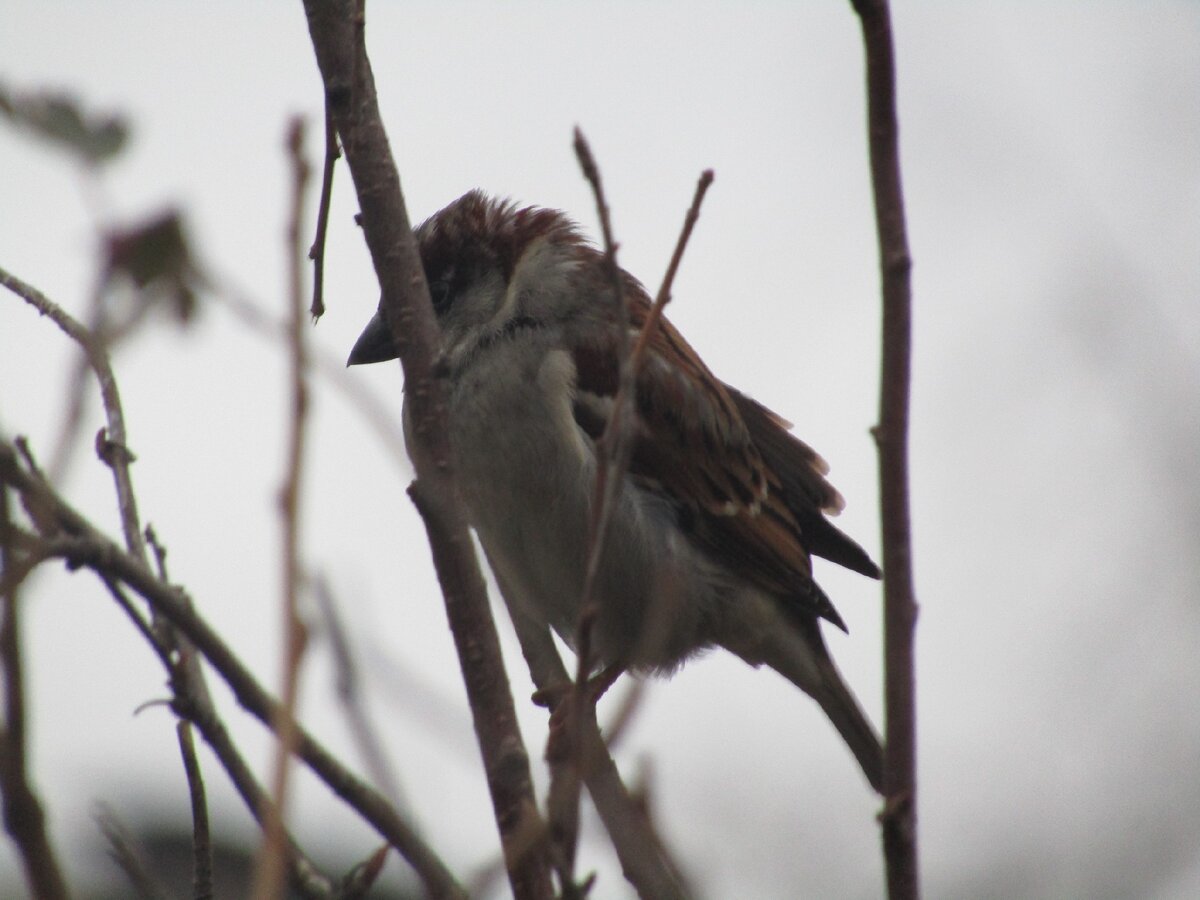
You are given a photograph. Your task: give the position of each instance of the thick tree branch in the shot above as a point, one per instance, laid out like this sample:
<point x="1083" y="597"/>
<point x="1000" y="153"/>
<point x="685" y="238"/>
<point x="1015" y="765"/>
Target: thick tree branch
<point x="899" y="816"/>
<point x="336" y="29"/>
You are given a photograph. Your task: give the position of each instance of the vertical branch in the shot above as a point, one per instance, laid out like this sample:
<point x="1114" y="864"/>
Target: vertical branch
<point x="336" y="29"/>
<point x="899" y="816"/>
<point x="202" y="861"/>
<point x="23" y="816"/>
<point x="269" y="879"/>
<point x="613" y="453"/>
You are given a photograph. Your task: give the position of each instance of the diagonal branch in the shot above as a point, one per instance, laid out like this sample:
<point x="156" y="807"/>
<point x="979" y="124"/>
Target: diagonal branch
<point x="112" y="442"/>
<point x="72" y="538"/>
<point x="336" y="30"/>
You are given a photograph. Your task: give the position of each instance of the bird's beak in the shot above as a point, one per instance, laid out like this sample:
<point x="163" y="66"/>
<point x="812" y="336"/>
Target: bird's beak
<point x="374" y="344"/>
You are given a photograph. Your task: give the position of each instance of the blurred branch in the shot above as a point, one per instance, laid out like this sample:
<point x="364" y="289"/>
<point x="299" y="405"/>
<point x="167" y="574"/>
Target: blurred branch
<point x="644" y="861"/>
<point x="23" y="816"/>
<point x="187" y="678"/>
<point x="111" y="441"/>
<point x="349" y="691"/>
<point x="899" y="816"/>
<point x="336" y="29"/>
<point x="126" y="853"/>
<point x="269" y="876"/>
<point x="613" y="452"/>
<point x="202" y="860"/>
<point x="195" y="707"/>
<point x="68" y="535"/>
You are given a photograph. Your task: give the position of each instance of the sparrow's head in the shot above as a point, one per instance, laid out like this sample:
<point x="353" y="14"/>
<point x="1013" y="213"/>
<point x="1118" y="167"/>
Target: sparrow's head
<point x="487" y="262"/>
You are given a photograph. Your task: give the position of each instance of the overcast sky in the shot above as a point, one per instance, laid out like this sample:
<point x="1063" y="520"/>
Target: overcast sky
<point x="1052" y="173"/>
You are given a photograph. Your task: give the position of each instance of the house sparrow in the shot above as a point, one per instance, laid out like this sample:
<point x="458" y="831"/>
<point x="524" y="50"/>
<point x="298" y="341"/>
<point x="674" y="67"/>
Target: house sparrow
<point x="710" y="536"/>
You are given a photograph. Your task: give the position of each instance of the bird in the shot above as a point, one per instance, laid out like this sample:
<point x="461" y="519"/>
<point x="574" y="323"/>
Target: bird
<point x="712" y="533"/>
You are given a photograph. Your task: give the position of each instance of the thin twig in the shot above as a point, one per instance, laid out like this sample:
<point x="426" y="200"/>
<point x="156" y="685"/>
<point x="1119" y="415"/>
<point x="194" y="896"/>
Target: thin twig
<point x="202" y="859"/>
<point x="23" y="816"/>
<point x="269" y="877"/>
<point x="566" y="763"/>
<point x="159" y="551"/>
<point x="126" y="853"/>
<point x="643" y="858"/>
<point x="350" y="693"/>
<point x="115" y="439"/>
<point x="360" y="879"/>
<point x="317" y="252"/>
<point x="162" y="648"/>
<point x="303" y="874"/>
<point x="899" y="816"/>
<point x="663" y="297"/>
<point x="336" y="28"/>
<point x="76" y="540"/>
<point x="613" y="452"/>
<point x="195" y="706"/>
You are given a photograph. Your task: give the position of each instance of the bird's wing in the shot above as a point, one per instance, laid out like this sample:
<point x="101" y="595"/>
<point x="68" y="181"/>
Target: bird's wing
<point x="693" y="446"/>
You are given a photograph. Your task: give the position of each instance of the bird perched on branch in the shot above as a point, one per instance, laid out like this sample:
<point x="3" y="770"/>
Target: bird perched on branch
<point x="710" y="536"/>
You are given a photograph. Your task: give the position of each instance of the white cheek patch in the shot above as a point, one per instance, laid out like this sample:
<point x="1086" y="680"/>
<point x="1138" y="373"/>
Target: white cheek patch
<point x="540" y="283"/>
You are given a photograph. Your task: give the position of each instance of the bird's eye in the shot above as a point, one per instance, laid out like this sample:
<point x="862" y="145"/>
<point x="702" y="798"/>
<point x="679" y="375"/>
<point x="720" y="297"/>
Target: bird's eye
<point x="439" y="293"/>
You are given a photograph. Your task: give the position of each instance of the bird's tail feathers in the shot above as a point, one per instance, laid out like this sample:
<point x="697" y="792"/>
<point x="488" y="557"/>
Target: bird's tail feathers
<point x="800" y="657"/>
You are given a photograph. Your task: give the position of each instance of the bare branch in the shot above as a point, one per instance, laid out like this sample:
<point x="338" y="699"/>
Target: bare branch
<point x="71" y="537"/>
<point x="128" y="855"/>
<point x="23" y="816"/>
<point x="317" y="252"/>
<point x="613" y="452"/>
<point x="663" y="297"/>
<point x="202" y="860"/>
<point x="350" y="694"/>
<point x="269" y="876"/>
<point x="192" y="704"/>
<point x="643" y="858"/>
<point x="303" y="874"/>
<point x="336" y="29"/>
<point x="114" y="437"/>
<point x="899" y="816"/>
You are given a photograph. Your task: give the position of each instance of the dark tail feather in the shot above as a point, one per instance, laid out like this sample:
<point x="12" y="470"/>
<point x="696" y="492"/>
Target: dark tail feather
<point x="858" y="733"/>
<point x="800" y="657"/>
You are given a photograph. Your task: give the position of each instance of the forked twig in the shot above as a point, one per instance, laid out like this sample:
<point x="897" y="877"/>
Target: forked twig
<point x="69" y="536"/>
<point x="114" y="436"/>
<point x="613" y="452"/>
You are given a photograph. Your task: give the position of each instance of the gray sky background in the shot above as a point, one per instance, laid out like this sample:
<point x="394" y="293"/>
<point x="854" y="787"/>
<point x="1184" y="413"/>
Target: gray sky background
<point x="1052" y="173"/>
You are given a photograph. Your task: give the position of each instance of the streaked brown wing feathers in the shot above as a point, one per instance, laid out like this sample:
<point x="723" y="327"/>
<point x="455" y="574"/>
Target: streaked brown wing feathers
<point x="694" y="447"/>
